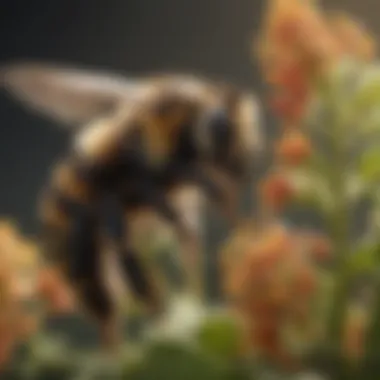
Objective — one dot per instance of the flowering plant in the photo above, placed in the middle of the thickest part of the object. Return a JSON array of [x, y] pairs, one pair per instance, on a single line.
[[298, 297], [323, 84], [28, 291]]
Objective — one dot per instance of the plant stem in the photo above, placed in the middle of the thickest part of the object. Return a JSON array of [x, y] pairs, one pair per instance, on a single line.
[[372, 341], [373, 337], [339, 220], [339, 233]]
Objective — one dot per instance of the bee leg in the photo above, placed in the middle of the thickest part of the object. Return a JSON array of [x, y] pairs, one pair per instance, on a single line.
[[133, 270], [84, 269], [218, 189], [140, 282], [187, 237], [97, 301], [157, 199], [227, 199]]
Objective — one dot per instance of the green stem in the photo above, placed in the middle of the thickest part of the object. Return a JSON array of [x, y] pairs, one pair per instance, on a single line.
[[339, 227], [339, 232], [372, 346], [372, 341]]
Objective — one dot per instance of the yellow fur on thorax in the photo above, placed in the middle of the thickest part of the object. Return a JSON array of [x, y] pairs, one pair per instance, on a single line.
[[160, 136], [98, 140]]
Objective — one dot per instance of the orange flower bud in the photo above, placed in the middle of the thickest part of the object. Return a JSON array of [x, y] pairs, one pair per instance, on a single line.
[[53, 289], [274, 286], [267, 337], [293, 78], [293, 148], [287, 108], [279, 294], [321, 248], [353, 38], [276, 191], [305, 281], [287, 31]]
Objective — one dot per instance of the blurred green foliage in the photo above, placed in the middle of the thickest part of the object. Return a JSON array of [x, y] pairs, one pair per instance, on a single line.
[[214, 355], [221, 336], [168, 360]]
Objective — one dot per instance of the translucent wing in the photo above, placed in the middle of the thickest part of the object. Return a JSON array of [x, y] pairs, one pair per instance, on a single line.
[[68, 95]]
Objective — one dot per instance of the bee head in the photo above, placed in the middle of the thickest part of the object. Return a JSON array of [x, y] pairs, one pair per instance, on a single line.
[[231, 133]]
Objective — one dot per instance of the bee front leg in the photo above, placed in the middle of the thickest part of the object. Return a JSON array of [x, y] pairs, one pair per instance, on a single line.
[[157, 198], [219, 189], [183, 230], [226, 197]]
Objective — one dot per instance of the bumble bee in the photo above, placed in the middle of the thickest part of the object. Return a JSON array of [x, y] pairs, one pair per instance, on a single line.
[[136, 141]]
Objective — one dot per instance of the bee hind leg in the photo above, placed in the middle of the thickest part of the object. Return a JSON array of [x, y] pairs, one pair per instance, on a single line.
[[132, 269], [140, 281], [85, 271], [97, 301]]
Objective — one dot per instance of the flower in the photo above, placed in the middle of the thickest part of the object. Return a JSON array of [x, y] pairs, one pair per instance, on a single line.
[[353, 37], [293, 148], [276, 190], [52, 288], [20, 273], [287, 108], [272, 284], [320, 247], [298, 29], [297, 44]]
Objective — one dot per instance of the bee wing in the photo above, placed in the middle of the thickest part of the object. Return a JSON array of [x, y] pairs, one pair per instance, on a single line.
[[67, 95]]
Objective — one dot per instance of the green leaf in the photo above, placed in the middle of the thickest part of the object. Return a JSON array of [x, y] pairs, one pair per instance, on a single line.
[[356, 188], [221, 336], [339, 78], [54, 371], [369, 124], [236, 372], [311, 189], [364, 260], [169, 360], [338, 92], [369, 166], [368, 93]]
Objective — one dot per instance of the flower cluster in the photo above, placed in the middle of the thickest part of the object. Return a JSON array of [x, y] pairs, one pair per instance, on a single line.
[[22, 284], [270, 276], [52, 289], [297, 44]]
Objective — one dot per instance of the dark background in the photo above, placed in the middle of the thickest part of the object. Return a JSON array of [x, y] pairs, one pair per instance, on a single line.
[[210, 37]]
